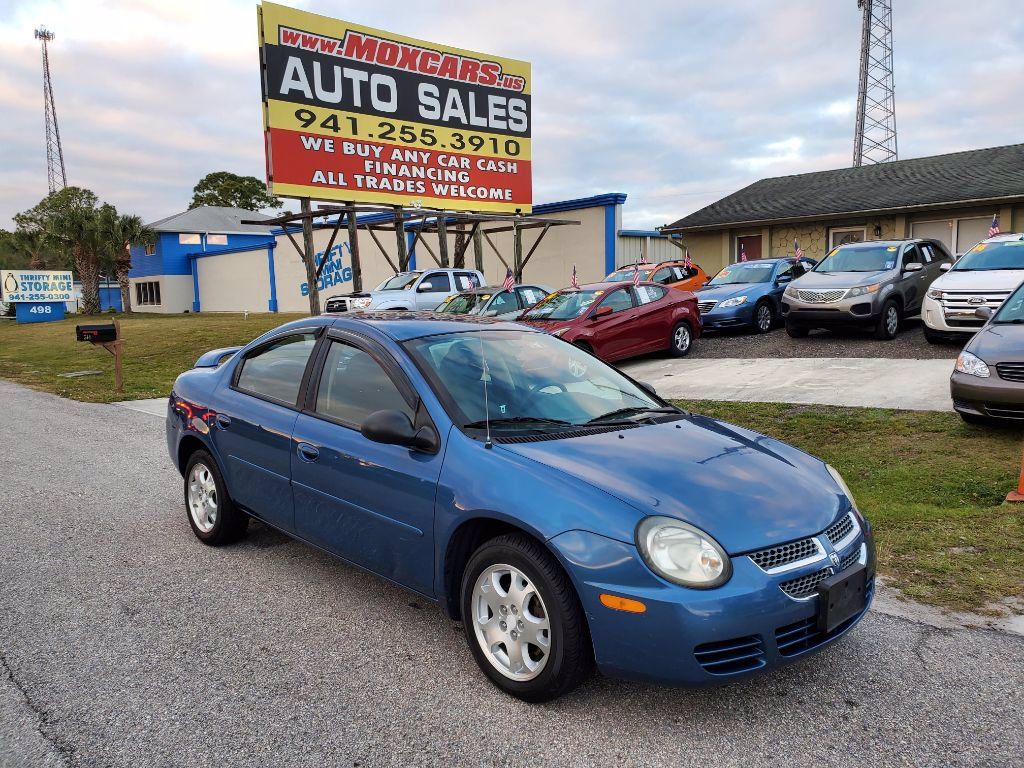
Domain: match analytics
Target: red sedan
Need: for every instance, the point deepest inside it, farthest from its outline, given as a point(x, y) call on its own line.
point(617, 320)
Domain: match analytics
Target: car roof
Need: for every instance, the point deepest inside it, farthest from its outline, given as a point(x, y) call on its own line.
point(1004, 237)
point(497, 288)
point(401, 326)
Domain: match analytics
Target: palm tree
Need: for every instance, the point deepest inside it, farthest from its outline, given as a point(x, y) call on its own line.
point(30, 243)
point(120, 234)
point(79, 230)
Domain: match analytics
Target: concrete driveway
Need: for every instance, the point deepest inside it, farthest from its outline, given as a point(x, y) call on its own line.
point(125, 642)
point(918, 385)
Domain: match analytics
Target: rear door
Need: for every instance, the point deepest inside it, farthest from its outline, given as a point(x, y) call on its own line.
point(253, 427)
point(370, 503)
point(654, 316)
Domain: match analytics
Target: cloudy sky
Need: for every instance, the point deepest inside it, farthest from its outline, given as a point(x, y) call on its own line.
point(675, 102)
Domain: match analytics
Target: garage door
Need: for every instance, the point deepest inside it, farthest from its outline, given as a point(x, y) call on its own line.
point(934, 230)
point(970, 232)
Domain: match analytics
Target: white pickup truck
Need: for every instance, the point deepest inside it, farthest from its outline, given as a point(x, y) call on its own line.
point(982, 277)
point(421, 289)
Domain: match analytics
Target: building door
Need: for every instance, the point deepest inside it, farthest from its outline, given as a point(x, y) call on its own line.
point(935, 230)
point(749, 245)
point(970, 232)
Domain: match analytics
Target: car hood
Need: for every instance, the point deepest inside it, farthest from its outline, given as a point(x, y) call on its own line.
point(723, 292)
point(981, 280)
point(824, 280)
point(549, 325)
point(747, 490)
point(997, 343)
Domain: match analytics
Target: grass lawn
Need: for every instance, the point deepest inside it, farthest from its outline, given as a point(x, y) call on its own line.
point(156, 349)
point(931, 486)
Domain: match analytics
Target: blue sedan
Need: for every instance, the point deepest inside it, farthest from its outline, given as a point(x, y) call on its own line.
point(561, 511)
point(749, 294)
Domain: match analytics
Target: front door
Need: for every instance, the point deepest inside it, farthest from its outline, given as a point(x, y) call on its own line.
point(915, 283)
point(615, 335)
point(434, 288)
point(253, 427)
point(749, 246)
point(371, 503)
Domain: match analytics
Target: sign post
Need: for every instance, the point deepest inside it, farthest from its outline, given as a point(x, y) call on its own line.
point(39, 296)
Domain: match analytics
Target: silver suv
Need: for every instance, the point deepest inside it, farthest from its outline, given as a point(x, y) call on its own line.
point(422, 289)
point(869, 285)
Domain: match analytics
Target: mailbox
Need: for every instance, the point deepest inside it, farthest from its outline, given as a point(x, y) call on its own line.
point(97, 334)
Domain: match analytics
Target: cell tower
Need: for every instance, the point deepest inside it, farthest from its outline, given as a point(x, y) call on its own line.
point(55, 173)
point(875, 138)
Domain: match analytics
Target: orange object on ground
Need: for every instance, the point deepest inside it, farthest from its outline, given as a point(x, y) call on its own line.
point(1018, 495)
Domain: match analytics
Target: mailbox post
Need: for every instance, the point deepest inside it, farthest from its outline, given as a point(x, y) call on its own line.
point(108, 336)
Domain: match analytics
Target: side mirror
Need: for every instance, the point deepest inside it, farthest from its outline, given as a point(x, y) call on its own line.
point(783, 279)
point(912, 267)
point(984, 313)
point(395, 428)
point(649, 388)
point(491, 313)
point(945, 267)
point(601, 312)
point(425, 287)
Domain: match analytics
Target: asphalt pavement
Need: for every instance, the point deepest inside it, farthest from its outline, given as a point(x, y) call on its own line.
point(126, 642)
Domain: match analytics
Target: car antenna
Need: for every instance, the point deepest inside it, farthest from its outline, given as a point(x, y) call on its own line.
point(487, 407)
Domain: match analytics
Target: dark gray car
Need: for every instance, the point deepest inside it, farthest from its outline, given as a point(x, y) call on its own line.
point(869, 285)
point(988, 380)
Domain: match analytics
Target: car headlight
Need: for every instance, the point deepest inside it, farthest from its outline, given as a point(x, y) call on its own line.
point(934, 293)
point(841, 483)
point(790, 291)
point(362, 303)
point(864, 289)
point(972, 364)
point(560, 331)
point(681, 553)
point(735, 301)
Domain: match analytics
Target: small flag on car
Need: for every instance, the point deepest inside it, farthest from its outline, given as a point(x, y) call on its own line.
point(993, 229)
point(575, 283)
point(798, 252)
point(743, 253)
point(636, 274)
point(509, 280)
point(687, 261)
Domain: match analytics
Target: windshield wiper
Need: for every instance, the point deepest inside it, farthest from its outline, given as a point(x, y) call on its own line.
point(482, 424)
point(619, 413)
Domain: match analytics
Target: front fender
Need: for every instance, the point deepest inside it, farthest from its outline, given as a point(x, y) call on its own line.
point(392, 304)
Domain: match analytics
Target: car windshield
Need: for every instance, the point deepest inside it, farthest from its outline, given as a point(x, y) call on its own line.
point(463, 303)
point(1011, 310)
point(622, 275)
point(859, 258)
point(564, 305)
point(1002, 254)
point(744, 272)
point(534, 382)
point(400, 282)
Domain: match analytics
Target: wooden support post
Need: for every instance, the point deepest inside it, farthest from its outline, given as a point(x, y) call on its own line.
point(478, 248)
point(533, 248)
point(442, 240)
point(308, 254)
point(353, 247)
point(380, 247)
point(517, 250)
point(459, 262)
point(403, 254)
point(495, 249)
point(114, 348)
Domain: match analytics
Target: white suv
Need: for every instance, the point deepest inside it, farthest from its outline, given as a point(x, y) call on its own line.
point(982, 277)
point(422, 289)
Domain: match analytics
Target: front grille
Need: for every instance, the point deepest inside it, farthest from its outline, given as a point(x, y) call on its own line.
point(849, 560)
point(336, 305)
point(821, 297)
point(728, 657)
point(805, 586)
point(1010, 371)
point(963, 303)
point(706, 306)
point(1005, 410)
point(840, 529)
point(784, 554)
point(804, 635)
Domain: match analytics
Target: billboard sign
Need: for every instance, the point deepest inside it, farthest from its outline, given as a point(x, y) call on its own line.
point(357, 114)
point(28, 286)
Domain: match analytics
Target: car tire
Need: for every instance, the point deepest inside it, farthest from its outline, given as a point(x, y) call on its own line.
point(764, 317)
point(796, 331)
point(932, 337)
point(214, 518)
point(888, 324)
point(681, 340)
point(513, 576)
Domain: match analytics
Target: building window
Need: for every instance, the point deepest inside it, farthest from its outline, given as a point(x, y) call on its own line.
point(147, 294)
point(216, 239)
point(188, 239)
point(150, 249)
point(843, 235)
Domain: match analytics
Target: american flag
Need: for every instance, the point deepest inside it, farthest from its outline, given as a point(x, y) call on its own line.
point(798, 252)
point(687, 262)
point(575, 283)
point(636, 274)
point(510, 280)
point(993, 228)
point(743, 253)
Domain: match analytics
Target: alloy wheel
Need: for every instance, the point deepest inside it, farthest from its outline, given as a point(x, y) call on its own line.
point(764, 317)
point(202, 497)
point(510, 622)
point(892, 320)
point(681, 338)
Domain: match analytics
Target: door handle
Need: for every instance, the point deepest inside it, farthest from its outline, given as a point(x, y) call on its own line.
point(307, 452)
point(223, 420)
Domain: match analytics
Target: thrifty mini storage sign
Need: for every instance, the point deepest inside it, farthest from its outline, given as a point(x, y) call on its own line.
point(36, 287)
point(357, 114)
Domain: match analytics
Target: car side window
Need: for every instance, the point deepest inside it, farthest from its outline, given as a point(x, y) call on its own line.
point(618, 300)
point(645, 294)
point(353, 385)
point(929, 254)
point(912, 256)
point(464, 281)
point(529, 295)
point(276, 370)
point(664, 275)
point(439, 282)
point(503, 302)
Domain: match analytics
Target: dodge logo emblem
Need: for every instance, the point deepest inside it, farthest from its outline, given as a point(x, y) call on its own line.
point(976, 300)
point(834, 558)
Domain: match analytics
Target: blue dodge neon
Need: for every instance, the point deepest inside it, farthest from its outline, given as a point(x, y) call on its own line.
point(561, 511)
point(749, 294)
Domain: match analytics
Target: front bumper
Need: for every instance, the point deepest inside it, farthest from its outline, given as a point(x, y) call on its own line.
point(694, 637)
point(953, 322)
point(992, 397)
point(730, 317)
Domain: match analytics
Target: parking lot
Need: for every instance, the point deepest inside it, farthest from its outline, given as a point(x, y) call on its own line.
point(124, 641)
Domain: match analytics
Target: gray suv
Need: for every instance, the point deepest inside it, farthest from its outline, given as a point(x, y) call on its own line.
point(869, 285)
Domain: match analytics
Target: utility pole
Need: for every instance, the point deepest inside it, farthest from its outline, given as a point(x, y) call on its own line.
point(874, 138)
point(56, 176)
